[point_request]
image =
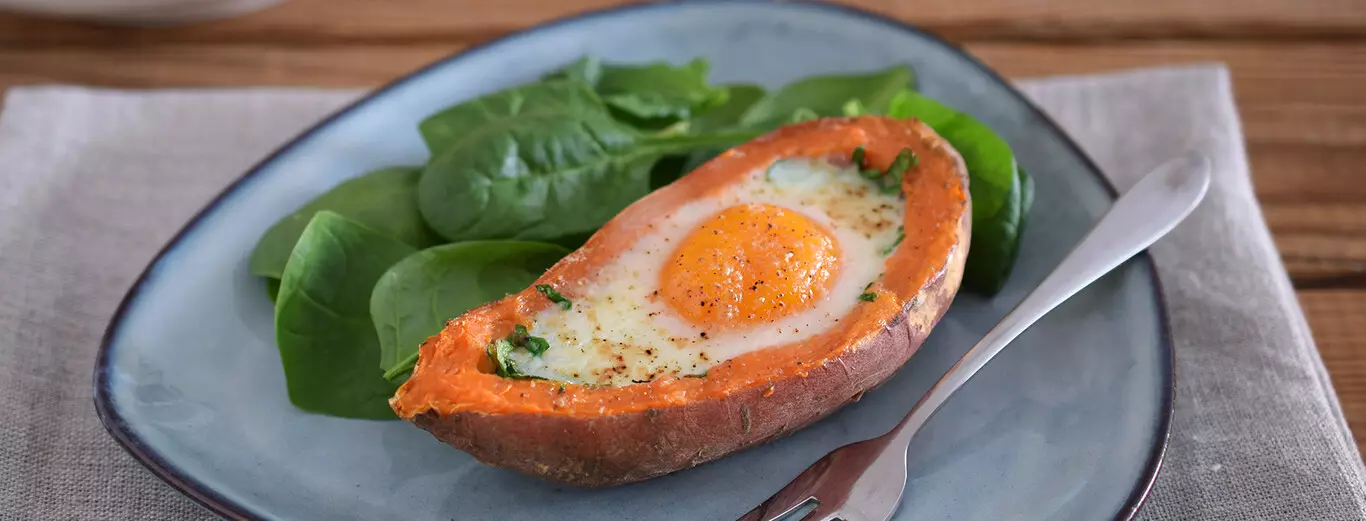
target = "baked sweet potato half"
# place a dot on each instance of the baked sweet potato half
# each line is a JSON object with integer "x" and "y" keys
{"x": 765, "y": 277}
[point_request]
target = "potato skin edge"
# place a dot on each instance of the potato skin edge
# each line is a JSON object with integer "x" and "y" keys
{"x": 616, "y": 449}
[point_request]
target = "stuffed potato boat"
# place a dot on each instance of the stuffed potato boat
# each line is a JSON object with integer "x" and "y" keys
{"x": 759, "y": 293}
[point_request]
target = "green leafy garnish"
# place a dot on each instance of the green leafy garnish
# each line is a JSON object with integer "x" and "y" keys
{"x": 498, "y": 351}
{"x": 520, "y": 337}
{"x": 853, "y": 107}
{"x": 889, "y": 180}
{"x": 996, "y": 187}
{"x": 802, "y": 114}
{"x": 502, "y": 112}
{"x": 548, "y": 161}
{"x": 536, "y": 345}
{"x": 900, "y": 236}
{"x": 829, "y": 95}
{"x": 726, "y": 116}
{"x": 997, "y": 244}
{"x": 493, "y": 184}
{"x": 272, "y": 288}
{"x": 868, "y": 296}
{"x": 323, "y": 326}
{"x": 554, "y": 296}
{"x": 415, "y": 297}
{"x": 905, "y": 160}
{"x": 651, "y": 95}
{"x": 383, "y": 201}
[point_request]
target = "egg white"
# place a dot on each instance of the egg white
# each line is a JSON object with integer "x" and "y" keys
{"x": 617, "y": 334}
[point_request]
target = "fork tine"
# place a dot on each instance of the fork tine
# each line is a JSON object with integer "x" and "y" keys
{"x": 799, "y": 491}
{"x": 776, "y": 508}
{"x": 827, "y": 481}
{"x": 823, "y": 512}
{"x": 803, "y": 488}
{"x": 771, "y": 512}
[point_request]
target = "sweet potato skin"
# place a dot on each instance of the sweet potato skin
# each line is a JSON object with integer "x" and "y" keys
{"x": 615, "y": 449}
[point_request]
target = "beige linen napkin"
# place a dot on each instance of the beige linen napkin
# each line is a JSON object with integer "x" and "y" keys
{"x": 93, "y": 182}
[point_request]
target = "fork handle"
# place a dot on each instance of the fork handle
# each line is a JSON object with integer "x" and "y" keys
{"x": 1141, "y": 216}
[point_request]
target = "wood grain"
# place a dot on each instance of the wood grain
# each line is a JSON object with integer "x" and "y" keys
{"x": 1293, "y": 172}
{"x": 1335, "y": 316}
{"x": 228, "y": 65}
{"x": 1322, "y": 243}
{"x": 1287, "y": 93}
{"x": 314, "y": 22}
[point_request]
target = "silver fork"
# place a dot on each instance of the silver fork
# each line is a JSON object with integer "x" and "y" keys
{"x": 864, "y": 481}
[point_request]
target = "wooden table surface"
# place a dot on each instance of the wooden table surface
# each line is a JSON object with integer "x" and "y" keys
{"x": 1299, "y": 70}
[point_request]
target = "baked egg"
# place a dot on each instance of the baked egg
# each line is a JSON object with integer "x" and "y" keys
{"x": 772, "y": 259}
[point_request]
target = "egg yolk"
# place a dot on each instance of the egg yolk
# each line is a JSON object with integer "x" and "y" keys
{"x": 749, "y": 264}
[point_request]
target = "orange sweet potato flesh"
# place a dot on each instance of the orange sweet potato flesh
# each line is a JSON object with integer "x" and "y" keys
{"x": 594, "y": 436}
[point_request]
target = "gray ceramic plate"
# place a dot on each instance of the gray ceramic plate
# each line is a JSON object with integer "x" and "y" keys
{"x": 1069, "y": 423}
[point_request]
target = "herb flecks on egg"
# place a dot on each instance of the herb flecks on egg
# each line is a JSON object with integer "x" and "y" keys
{"x": 888, "y": 181}
{"x": 772, "y": 260}
{"x": 900, "y": 236}
{"x": 554, "y": 296}
{"x": 500, "y": 351}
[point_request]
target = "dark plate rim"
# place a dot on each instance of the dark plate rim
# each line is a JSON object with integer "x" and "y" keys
{"x": 145, "y": 454}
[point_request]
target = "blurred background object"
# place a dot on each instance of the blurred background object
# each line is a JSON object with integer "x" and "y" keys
{"x": 137, "y": 12}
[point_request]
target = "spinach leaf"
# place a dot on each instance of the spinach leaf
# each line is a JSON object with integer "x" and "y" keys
{"x": 500, "y": 352}
{"x": 989, "y": 159}
{"x": 996, "y": 186}
{"x": 554, "y": 164}
{"x": 726, "y": 116}
{"x": 659, "y": 90}
{"x": 669, "y": 168}
{"x": 326, "y": 338}
{"x": 652, "y": 95}
{"x": 521, "y": 337}
{"x": 547, "y": 100}
{"x": 536, "y": 345}
{"x": 723, "y": 118}
{"x": 384, "y": 200}
{"x": 991, "y": 257}
{"x": 827, "y": 96}
{"x": 853, "y": 108}
{"x": 587, "y": 69}
{"x": 801, "y": 115}
{"x": 272, "y": 288}
{"x": 995, "y": 243}
{"x": 531, "y": 170}
{"x": 503, "y": 365}
{"x": 415, "y": 297}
